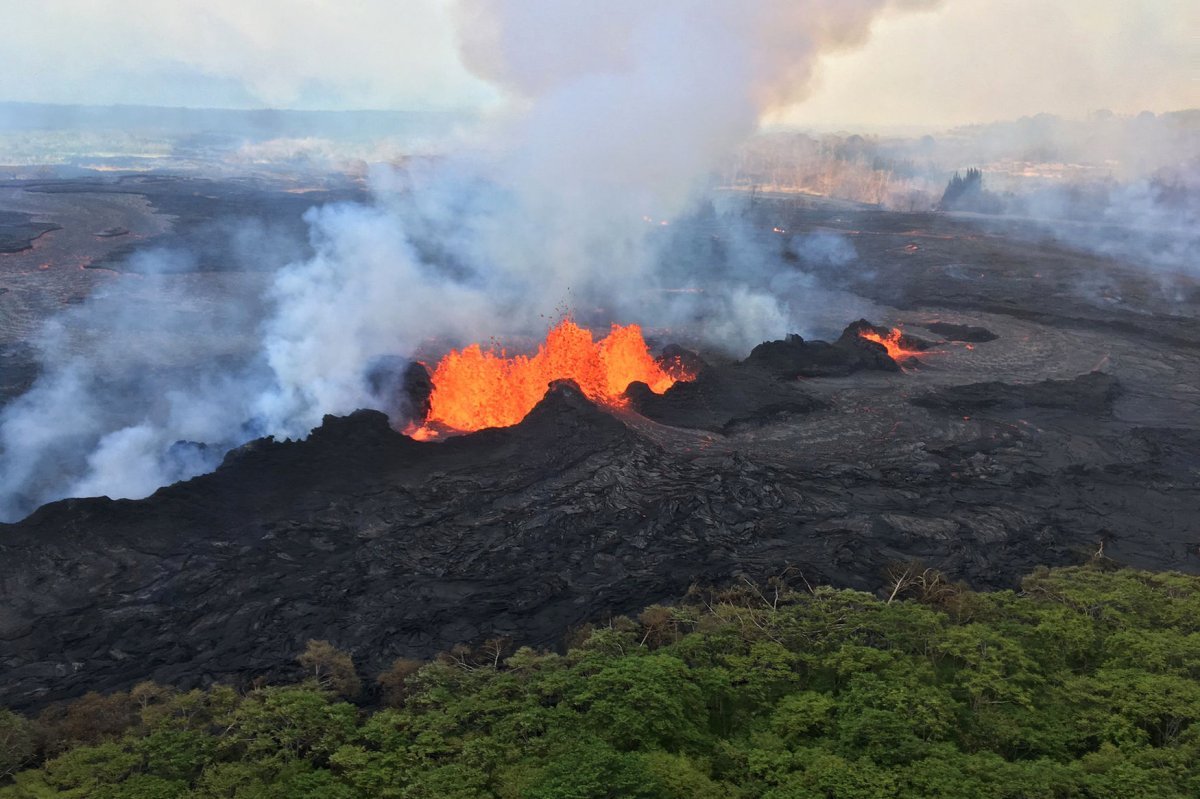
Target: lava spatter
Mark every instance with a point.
(893, 342)
(474, 388)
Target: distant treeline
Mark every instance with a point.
(1084, 684)
(968, 194)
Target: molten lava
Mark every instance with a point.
(891, 341)
(475, 388)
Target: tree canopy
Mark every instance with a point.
(1084, 684)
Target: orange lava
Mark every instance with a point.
(892, 342)
(475, 388)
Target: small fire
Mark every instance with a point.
(475, 388)
(892, 342)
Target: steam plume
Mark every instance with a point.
(615, 112)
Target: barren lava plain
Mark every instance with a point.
(1053, 417)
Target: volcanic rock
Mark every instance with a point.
(968, 333)
(760, 390)
(18, 231)
(389, 547)
(404, 388)
(676, 360)
(853, 335)
(722, 399)
(392, 547)
(416, 387)
(178, 583)
(1092, 393)
(794, 357)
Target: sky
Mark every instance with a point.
(985, 60)
(963, 61)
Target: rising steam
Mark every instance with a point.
(615, 113)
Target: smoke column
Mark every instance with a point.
(613, 113)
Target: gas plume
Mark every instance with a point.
(615, 118)
(617, 115)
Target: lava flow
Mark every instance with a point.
(475, 388)
(892, 341)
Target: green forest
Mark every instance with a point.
(1084, 682)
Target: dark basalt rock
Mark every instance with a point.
(968, 333)
(760, 390)
(852, 336)
(676, 360)
(416, 387)
(392, 547)
(209, 578)
(794, 357)
(403, 388)
(1092, 393)
(723, 400)
(772, 414)
(18, 231)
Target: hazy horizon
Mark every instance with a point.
(774, 125)
(940, 66)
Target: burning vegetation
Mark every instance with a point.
(474, 388)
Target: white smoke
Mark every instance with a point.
(127, 380)
(616, 113)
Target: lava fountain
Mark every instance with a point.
(474, 388)
(893, 342)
